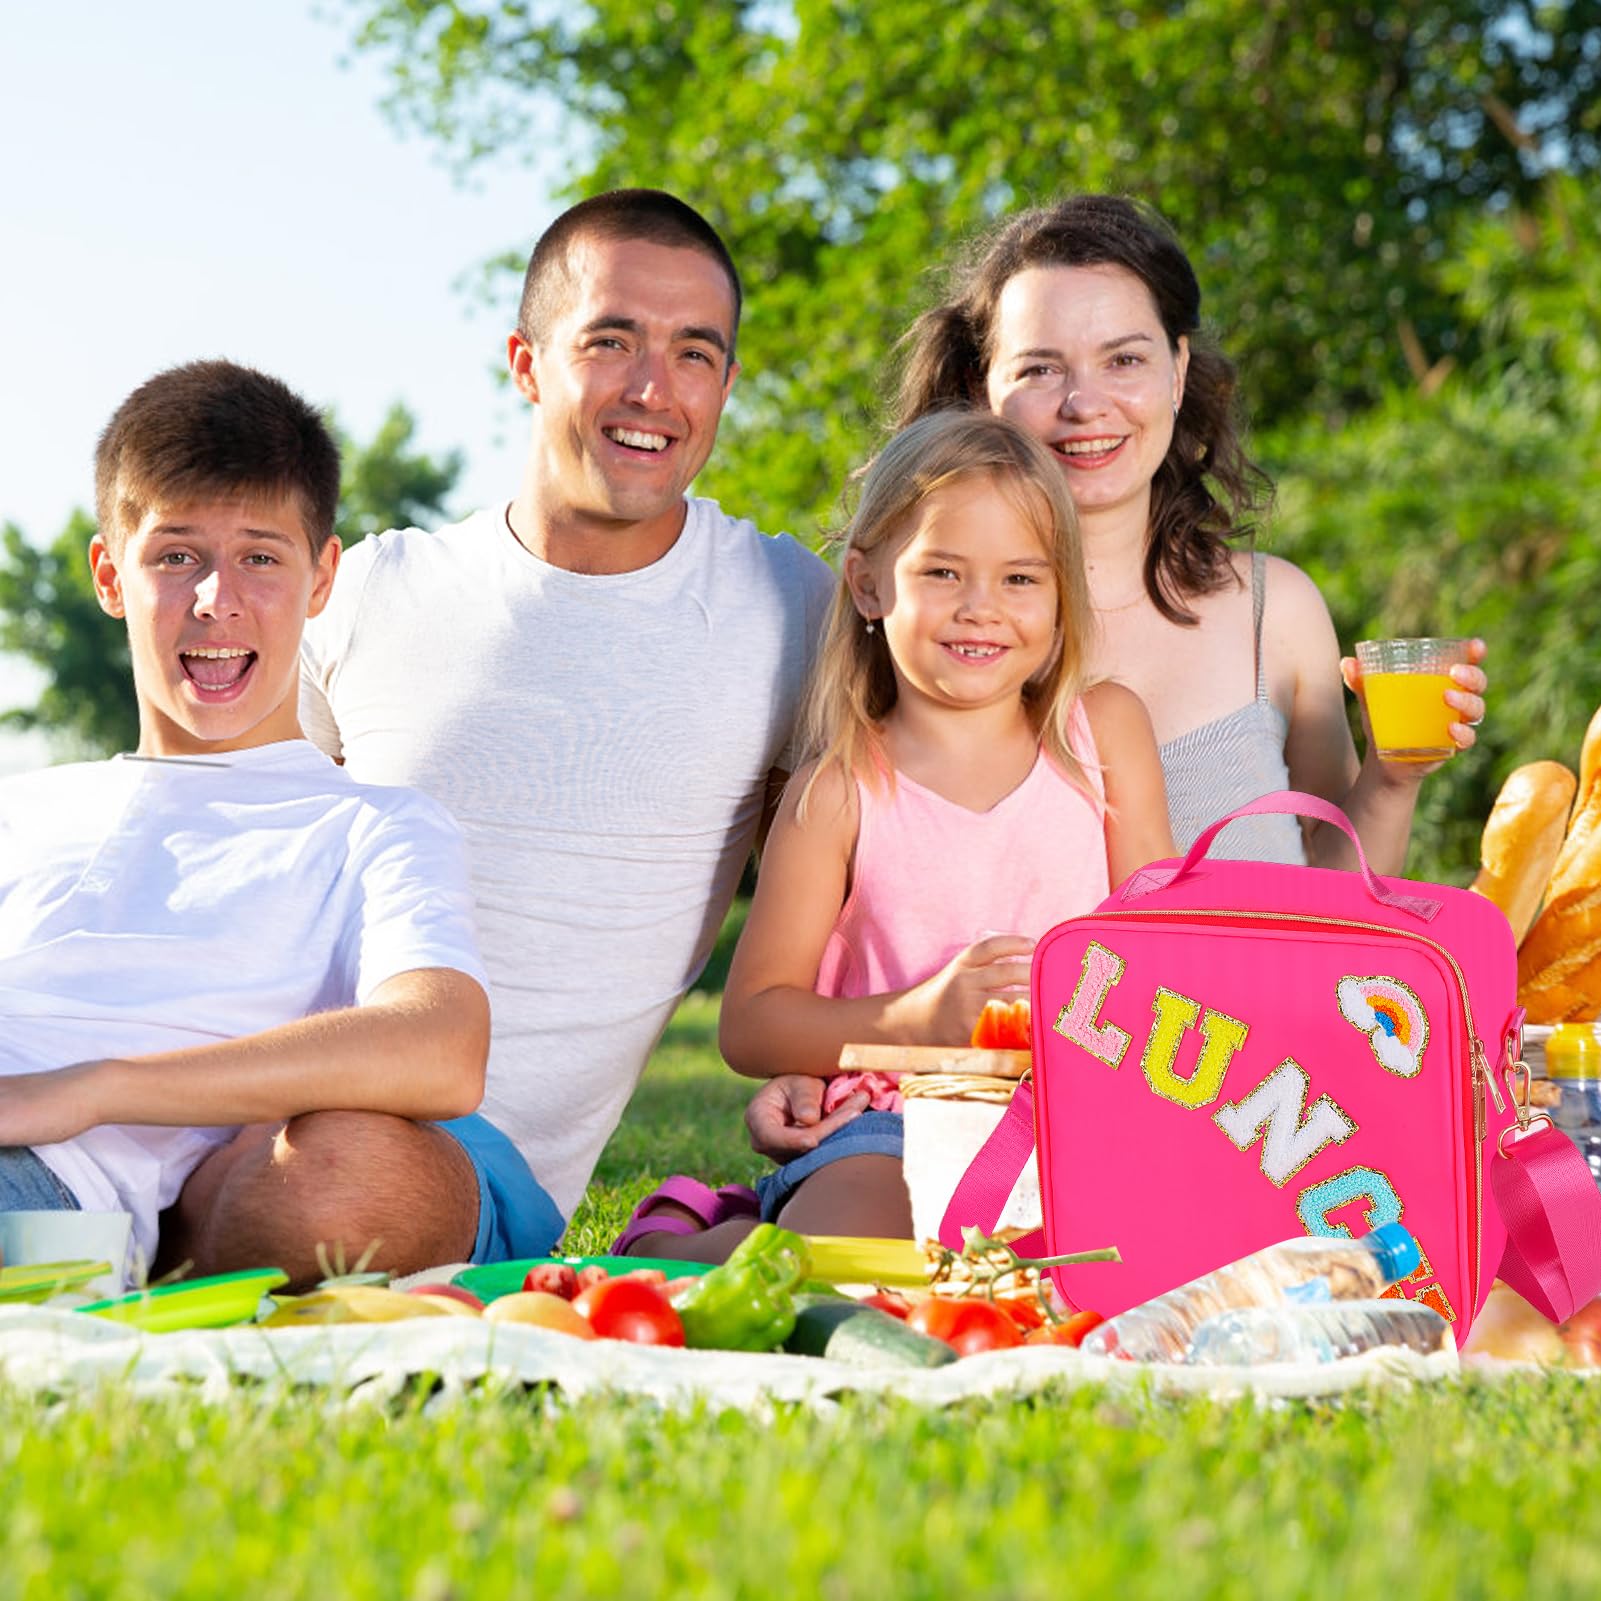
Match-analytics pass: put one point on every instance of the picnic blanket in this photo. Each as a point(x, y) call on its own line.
point(63, 1353)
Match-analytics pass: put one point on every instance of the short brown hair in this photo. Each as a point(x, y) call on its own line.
point(947, 354)
point(213, 430)
point(651, 215)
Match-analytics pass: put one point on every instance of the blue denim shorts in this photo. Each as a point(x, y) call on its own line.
point(27, 1185)
point(516, 1218)
point(870, 1134)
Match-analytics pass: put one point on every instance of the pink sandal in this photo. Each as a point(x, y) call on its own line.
point(710, 1206)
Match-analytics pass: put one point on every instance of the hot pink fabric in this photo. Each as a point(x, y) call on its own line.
point(1143, 1146)
point(931, 877)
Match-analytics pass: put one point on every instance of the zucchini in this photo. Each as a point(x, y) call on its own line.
point(861, 1336)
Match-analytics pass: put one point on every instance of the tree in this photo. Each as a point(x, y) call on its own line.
point(1472, 503)
point(387, 484)
point(49, 614)
point(1315, 157)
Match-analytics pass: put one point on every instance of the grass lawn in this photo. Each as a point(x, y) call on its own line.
point(1477, 1491)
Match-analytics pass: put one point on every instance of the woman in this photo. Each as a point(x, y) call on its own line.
point(1080, 321)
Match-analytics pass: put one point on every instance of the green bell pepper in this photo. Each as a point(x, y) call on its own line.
point(748, 1303)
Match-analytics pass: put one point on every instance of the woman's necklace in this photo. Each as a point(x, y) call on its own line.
point(1127, 605)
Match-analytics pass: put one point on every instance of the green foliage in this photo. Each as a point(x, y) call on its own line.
point(387, 484)
point(1314, 157)
point(49, 614)
point(1475, 507)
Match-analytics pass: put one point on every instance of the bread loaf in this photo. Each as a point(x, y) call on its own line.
point(1522, 838)
point(1559, 965)
point(1578, 863)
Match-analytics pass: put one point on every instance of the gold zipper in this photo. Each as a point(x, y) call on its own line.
point(1482, 1078)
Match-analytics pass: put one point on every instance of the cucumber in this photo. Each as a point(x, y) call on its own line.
point(861, 1336)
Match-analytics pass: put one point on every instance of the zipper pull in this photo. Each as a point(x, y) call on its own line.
point(1481, 1064)
point(1482, 1083)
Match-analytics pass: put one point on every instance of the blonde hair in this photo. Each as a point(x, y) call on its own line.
point(853, 686)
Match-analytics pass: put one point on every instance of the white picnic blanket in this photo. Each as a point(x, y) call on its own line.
point(64, 1353)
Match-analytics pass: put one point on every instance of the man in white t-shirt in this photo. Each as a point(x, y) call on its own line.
point(599, 679)
point(224, 929)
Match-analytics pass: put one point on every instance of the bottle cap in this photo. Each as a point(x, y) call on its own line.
point(1396, 1251)
point(1574, 1051)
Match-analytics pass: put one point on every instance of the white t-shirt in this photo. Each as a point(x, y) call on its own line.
point(147, 905)
point(603, 741)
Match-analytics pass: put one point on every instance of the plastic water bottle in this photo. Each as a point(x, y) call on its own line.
point(1257, 1334)
point(1308, 1269)
point(1573, 1064)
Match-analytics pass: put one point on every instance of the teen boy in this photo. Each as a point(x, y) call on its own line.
point(224, 928)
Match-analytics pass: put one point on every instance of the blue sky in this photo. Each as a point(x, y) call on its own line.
point(185, 179)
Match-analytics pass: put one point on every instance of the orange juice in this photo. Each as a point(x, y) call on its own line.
point(1411, 721)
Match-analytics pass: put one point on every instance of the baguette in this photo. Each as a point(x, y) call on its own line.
point(1559, 966)
point(1522, 837)
point(1578, 863)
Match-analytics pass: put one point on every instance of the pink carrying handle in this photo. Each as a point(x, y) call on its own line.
point(982, 1191)
point(1295, 803)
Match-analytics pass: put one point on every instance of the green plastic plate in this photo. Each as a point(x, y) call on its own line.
point(38, 1281)
point(210, 1303)
point(491, 1280)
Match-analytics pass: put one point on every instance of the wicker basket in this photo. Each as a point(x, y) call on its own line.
point(949, 1115)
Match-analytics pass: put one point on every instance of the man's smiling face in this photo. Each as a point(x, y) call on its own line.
point(215, 596)
point(627, 386)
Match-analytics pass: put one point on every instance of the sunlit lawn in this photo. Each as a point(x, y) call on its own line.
point(1443, 1493)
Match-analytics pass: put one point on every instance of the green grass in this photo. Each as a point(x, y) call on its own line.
point(1450, 1492)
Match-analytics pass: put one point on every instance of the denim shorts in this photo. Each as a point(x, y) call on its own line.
point(869, 1134)
point(516, 1218)
point(27, 1185)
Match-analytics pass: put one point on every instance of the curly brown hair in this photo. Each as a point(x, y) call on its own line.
point(1207, 491)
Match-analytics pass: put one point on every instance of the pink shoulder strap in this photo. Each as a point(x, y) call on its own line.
point(980, 1194)
point(1552, 1211)
point(1542, 1185)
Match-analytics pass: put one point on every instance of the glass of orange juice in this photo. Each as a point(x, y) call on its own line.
point(1404, 682)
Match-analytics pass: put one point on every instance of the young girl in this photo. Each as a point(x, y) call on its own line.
point(968, 792)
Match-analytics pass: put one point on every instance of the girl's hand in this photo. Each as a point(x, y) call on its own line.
point(948, 1004)
point(784, 1118)
point(1467, 698)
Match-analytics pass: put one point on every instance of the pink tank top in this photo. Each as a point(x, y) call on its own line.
point(931, 877)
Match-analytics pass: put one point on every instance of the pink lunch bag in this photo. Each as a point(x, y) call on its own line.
point(1227, 1054)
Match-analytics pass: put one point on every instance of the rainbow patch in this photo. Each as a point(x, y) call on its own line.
point(1391, 1016)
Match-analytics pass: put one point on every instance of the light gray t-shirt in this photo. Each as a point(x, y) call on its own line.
point(603, 741)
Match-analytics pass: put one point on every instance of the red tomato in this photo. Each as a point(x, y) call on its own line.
point(967, 1326)
point(888, 1301)
point(593, 1274)
point(1070, 1331)
point(553, 1278)
point(1002, 1026)
point(1023, 1310)
point(647, 1275)
point(630, 1309)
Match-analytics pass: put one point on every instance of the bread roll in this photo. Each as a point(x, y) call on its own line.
point(1522, 837)
point(1578, 863)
